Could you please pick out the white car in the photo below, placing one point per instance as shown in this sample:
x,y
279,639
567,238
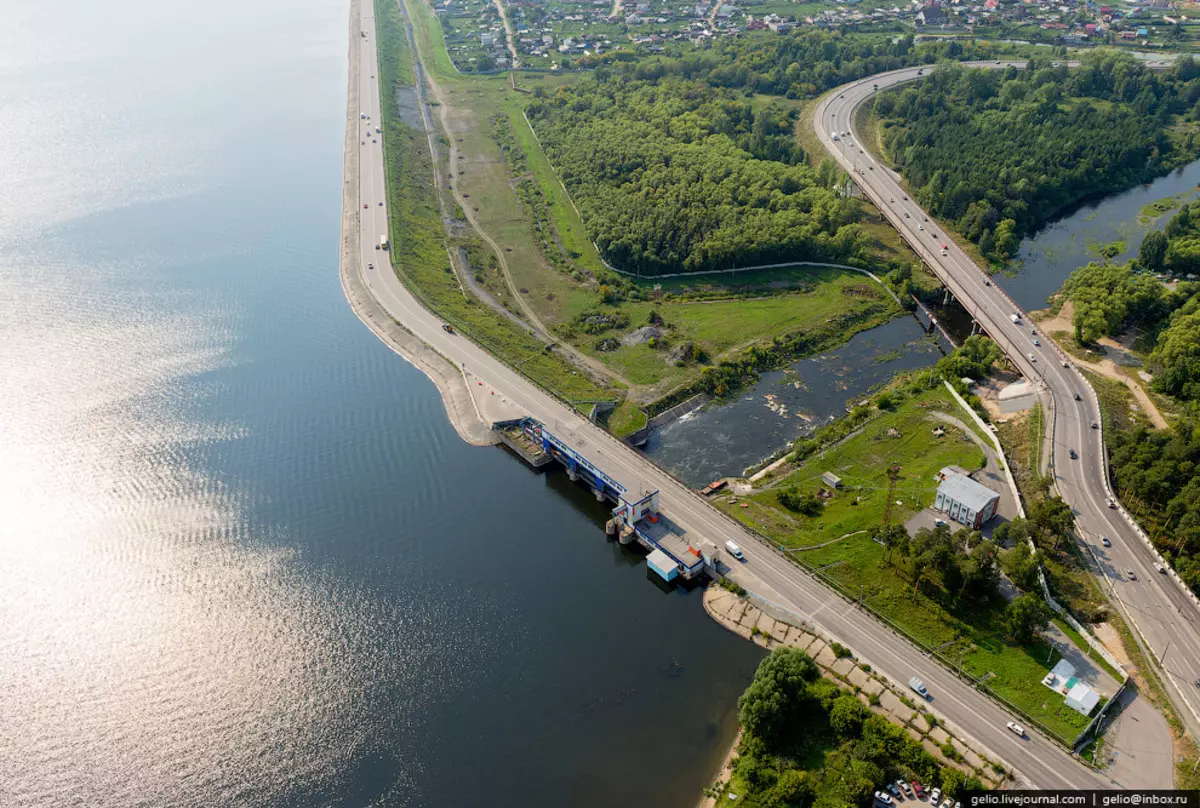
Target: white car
x,y
920,227
882,798
1016,729
1032,358
1110,503
1105,541
1037,342
935,796
1131,574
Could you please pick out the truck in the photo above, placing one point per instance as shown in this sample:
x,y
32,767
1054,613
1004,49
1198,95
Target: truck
x,y
919,688
1016,318
383,242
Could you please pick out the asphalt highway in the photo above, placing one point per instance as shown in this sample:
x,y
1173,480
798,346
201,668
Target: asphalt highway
x,y
770,575
1157,605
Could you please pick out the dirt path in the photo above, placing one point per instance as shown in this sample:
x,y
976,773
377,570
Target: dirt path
x,y
1064,322
509,35
424,78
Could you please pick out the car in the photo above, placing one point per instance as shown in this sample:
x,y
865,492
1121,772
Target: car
x,y
1106,541
1016,729
882,798
935,796
920,227
1074,455
1131,574
381,204
893,199
924,218
364,205
870,168
919,688
1066,364
1032,358
905,198
1078,397
373,140
987,282
918,789
1095,425
908,792
1160,568
894,789
1037,342
449,329
370,266
735,551
939,522
1033,332
1109,502
905,214
949,803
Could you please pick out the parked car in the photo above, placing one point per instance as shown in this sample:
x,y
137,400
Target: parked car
x,y
895,789
918,789
1105,541
1016,729
935,796
882,798
908,792
919,688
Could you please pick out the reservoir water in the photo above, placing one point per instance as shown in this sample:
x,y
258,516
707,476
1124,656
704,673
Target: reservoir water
x,y
246,560
783,405
1048,257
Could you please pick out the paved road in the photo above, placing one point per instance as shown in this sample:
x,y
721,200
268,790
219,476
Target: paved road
x,y
1165,615
774,577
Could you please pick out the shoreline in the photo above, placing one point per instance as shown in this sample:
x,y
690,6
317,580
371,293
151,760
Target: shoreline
x,y
447,377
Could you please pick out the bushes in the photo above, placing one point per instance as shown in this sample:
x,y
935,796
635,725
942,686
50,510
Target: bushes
x,y
800,502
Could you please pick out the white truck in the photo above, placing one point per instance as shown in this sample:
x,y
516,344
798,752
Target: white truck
x,y
383,242
834,136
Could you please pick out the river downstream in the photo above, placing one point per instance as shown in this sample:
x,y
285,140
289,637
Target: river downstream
x,y
238,566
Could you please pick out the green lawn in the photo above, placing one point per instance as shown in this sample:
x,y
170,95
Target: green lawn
x,y
859,566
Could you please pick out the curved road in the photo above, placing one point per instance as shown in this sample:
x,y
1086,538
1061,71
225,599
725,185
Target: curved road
x,y
1164,614
975,716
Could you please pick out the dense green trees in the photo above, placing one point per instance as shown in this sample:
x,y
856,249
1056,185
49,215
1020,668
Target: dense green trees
x,y
793,719
673,175
1002,152
973,359
1025,617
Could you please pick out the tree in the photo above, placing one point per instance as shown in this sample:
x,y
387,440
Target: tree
x,y
778,696
1025,616
847,715
800,502
1052,517
1153,250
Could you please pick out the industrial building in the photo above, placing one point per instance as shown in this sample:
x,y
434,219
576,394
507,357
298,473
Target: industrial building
x,y
966,501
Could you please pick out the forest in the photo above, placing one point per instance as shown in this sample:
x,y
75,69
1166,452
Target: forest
x,y
673,175
806,742
675,166
802,64
1001,152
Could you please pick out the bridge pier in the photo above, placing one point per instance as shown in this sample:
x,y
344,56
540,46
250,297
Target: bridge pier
x,y
599,492
947,297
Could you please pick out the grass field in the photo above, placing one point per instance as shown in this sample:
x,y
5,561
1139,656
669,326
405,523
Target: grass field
x,y
973,633
419,248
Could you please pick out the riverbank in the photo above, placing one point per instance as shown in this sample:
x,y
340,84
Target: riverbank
x,y
446,376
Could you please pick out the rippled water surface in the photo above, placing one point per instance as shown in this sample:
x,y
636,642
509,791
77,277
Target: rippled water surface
x,y
246,561
787,404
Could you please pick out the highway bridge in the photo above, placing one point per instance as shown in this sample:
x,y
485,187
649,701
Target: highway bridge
x,y
1158,606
